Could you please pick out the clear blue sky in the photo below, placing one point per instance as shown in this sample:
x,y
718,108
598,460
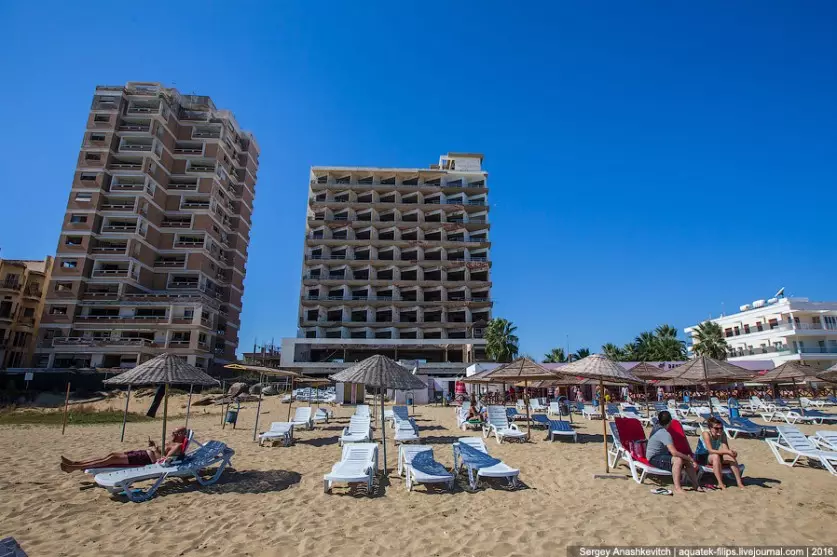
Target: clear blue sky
x,y
649,161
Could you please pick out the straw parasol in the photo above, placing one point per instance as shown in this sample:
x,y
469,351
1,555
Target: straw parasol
x,y
829,375
599,366
648,372
383,373
262,371
705,370
165,369
792,372
522,369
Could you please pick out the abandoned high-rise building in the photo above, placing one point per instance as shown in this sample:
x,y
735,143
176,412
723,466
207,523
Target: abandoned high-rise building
x,y
396,262
153,247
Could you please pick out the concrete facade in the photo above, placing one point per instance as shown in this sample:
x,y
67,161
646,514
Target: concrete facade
x,y
22,294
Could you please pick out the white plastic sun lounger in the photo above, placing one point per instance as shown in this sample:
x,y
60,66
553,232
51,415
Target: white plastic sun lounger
x,y
120,482
420,467
359,430
302,417
825,440
497,424
358,464
322,415
406,431
645,421
279,431
806,402
535,406
591,412
479,464
362,410
790,416
397,414
554,409
792,441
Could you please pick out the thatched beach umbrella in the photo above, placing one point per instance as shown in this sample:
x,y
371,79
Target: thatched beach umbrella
x,y
598,366
829,375
264,371
706,371
166,369
648,372
383,373
792,372
525,370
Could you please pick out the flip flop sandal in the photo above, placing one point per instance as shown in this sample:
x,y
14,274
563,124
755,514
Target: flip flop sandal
x,y
662,491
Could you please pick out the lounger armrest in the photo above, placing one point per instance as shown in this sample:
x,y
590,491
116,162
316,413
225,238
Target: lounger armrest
x,y
514,427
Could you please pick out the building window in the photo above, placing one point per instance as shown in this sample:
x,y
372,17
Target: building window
x,y
92,157
101,118
73,241
69,264
97,137
58,310
78,219
88,176
63,286
84,197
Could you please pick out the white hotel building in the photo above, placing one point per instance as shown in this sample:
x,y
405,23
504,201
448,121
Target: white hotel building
x,y
781,329
396,262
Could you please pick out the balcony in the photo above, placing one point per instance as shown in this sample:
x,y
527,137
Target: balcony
x,y
113,205
143,109
110,249
10,285
170,263
194,204
129,127
100,341
125,165
127,145
184,284
119,228
206,133
184,186
200,167
818,350
127,186
110,273
188,150
188,243
184,343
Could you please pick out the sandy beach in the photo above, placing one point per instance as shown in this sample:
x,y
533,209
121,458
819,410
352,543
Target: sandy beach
x,y
272,503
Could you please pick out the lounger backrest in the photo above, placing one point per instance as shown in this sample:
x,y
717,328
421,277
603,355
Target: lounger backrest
x,y
475,443
359,426
558,425
681,443
497,417
400,412
204,456
555,407
359,452
466,405
829,436
302,414
628,430
362,410
795,438
409,452
612,409
755,401
406,425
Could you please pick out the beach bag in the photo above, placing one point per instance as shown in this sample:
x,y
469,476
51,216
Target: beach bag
x,y
637,449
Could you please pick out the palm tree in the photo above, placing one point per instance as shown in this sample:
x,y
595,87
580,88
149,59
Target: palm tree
x,y
665,331
555,356
613,352
581,353
709,341
500,340
669,349
644,346
629,352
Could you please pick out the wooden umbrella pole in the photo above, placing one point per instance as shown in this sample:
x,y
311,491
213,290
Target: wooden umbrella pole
x,y
291,401
66,408
604,423
709,396
165,416
526,402
647,405
383,432
189,405
125,414
259,407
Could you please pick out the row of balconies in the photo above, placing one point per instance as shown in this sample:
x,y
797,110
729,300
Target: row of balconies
x,y
793,327
420,236
361,181
390,333
438,255
392,217
114,342
417,274
395,198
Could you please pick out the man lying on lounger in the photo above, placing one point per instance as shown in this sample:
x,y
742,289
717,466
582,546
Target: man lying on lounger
x,y
661,453
141,457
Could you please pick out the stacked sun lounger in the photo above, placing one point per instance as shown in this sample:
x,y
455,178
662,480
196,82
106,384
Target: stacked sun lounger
x,y
358,465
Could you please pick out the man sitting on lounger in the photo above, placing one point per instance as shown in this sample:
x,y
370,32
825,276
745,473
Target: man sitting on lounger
x,y
141,457
662,454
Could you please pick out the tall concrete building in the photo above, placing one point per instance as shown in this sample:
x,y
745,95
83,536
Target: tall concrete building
x,y
22,288
396,262
153,247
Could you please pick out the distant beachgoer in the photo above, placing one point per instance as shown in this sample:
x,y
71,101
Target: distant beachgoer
x,y
659,394
713,449
142,457
662,454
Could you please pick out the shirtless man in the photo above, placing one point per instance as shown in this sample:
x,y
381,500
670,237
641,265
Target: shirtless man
x,y
141,457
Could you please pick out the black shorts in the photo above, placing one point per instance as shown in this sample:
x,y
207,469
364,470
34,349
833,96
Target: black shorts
x,y
702,459
661,461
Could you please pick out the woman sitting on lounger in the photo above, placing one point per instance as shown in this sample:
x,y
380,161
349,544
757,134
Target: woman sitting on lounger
x,y
140,457
713,449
